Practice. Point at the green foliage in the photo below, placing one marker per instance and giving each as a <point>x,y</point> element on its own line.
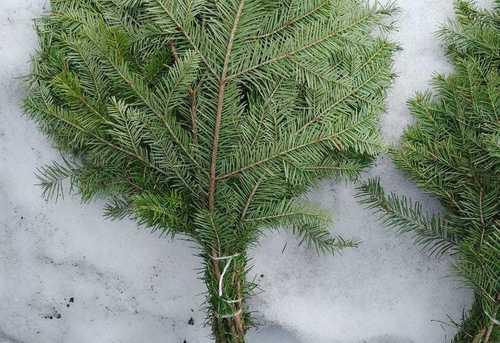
<point>398,212</point>
<point>209,119</point>
<point>453,152</point>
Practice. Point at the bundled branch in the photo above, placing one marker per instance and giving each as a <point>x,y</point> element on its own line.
<point>453,152</point>
<point>208,119</point>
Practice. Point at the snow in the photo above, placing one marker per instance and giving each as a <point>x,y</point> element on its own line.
<point>104,282</point>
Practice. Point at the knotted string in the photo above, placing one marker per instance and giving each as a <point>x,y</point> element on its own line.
<point>221,285</point>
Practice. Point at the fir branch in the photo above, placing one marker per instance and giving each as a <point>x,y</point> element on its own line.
<point>220,106</point>
<point>289,54</point>
<point>335,138</point>
<point>140,91</point>
<point>317,119</point>
<point>186,116</point>
<point>432,233</point>
<point>447,154</point>
<point>53,176</point>
<point>186,34</point>
<point>60,115</point>
<point>292,21</point>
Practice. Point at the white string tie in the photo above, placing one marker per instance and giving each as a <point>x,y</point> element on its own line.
<point>226,267</point>
<point>232,315</point>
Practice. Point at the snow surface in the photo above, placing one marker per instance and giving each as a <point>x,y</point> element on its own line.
<point>69,276</point>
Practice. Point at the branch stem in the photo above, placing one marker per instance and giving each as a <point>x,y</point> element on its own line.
<point>227,307</point>
<point>220,108</point>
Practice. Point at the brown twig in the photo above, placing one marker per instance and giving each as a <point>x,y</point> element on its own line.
<point>174,52</point>
<point>220,108</point>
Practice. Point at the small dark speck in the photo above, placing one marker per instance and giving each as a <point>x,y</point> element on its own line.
<point>261,275</point>
<point>67,305</point>
<point>184,341</point>
<point>191,321</point>
<point>58,316</point>
<point>72,300</point>
<point>22,217</point>
<point>192,310</point>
